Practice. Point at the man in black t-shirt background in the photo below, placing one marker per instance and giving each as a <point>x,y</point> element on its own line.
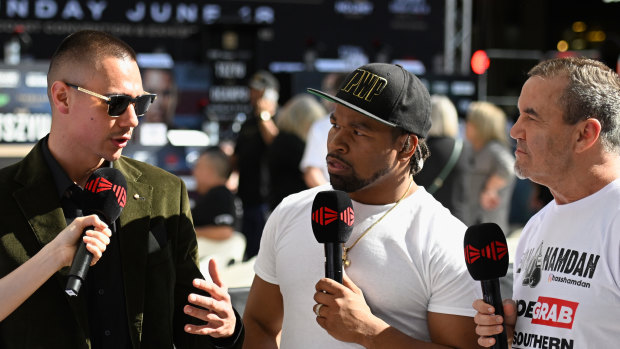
<point>249,159</point>
<point>217,211</point>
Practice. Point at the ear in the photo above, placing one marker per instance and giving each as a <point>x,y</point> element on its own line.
<point>408,144</point>
<point>589,132</point>
<point>60,96</point>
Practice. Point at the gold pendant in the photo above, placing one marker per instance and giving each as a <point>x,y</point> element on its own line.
<point>347,262</point>
<point>345,259</point>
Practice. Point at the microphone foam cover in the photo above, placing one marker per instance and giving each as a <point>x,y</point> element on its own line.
<point>486,251</point>
<point>332,216</point>
<point>105,194</point>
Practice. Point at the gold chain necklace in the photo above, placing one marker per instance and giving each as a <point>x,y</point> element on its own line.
<point>345,256</point>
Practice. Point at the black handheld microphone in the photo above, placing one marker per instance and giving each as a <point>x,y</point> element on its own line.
<point>332,222</point>
<point>486,256</point>
<point>105,195</point>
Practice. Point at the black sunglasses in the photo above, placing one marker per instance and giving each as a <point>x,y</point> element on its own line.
<point>117,104</point>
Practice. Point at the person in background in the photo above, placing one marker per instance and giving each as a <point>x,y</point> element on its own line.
<point>162,83</point>
<point>405,283</point>
<point>22,282</point>
<point>313,163</point>
<point>566,291</point>
<point>150,141</point>
<point>491,177</point>
<point>217,211</point>
<point>284,154</point>
<point>250,157</point>
<point>228,147</point>
<point>139,294</point>
<point>445,172</point>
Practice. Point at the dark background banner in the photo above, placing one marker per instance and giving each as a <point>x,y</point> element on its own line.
<point>280,30</point>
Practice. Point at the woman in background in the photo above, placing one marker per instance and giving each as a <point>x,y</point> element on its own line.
<point>492,176</point>
<point>444,173</point>
<point>284,154</point>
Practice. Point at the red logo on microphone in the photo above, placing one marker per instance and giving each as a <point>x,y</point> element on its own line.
<point>495,251</point>
<point>326,215</point>
<point>100,184</point>
<point>347,216</point>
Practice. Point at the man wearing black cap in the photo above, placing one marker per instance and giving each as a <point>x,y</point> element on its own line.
<point>405,283</point>
<point>249,159</point>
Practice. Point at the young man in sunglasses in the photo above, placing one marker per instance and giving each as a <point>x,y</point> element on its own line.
<point>147,292</point>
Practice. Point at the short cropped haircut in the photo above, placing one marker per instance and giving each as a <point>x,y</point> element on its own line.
<point>593,91</point>
<point>88,48</point>
<point>219,160</point>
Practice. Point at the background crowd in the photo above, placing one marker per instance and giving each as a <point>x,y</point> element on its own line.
<point>249,191</point>
<point>470,170</point>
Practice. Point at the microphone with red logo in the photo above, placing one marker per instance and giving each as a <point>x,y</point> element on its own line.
<point>332,222</point>
<point>105,195</point>
<point>486,256</point>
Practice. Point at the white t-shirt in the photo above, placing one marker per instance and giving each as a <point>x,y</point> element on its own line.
<point>316,146</point>
<point>567,274</point>
<point>410,263</point>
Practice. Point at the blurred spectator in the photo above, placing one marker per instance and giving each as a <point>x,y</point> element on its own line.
<point>162,83</point>
<point>492,174</point>
<point>150,141</point>
<point>313,164</point>
<point>249,159</point>
<point>284,155</point>
<point>16,47</point>
<point>217,211</point>
<point>444,173</point>
<point>228,147</point>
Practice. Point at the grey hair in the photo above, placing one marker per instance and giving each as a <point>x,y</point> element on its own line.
<point>593,91</point>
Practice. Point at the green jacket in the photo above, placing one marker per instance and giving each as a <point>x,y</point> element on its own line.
<point>156,280</point>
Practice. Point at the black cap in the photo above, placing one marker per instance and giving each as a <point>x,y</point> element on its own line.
<point>486,251</point>
<point>387,93</point>
<point>332,216</point>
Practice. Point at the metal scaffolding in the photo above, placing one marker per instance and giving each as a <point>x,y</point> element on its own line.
<point>457,36</point>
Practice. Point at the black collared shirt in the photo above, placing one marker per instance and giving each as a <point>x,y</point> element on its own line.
<point>105,296</point>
